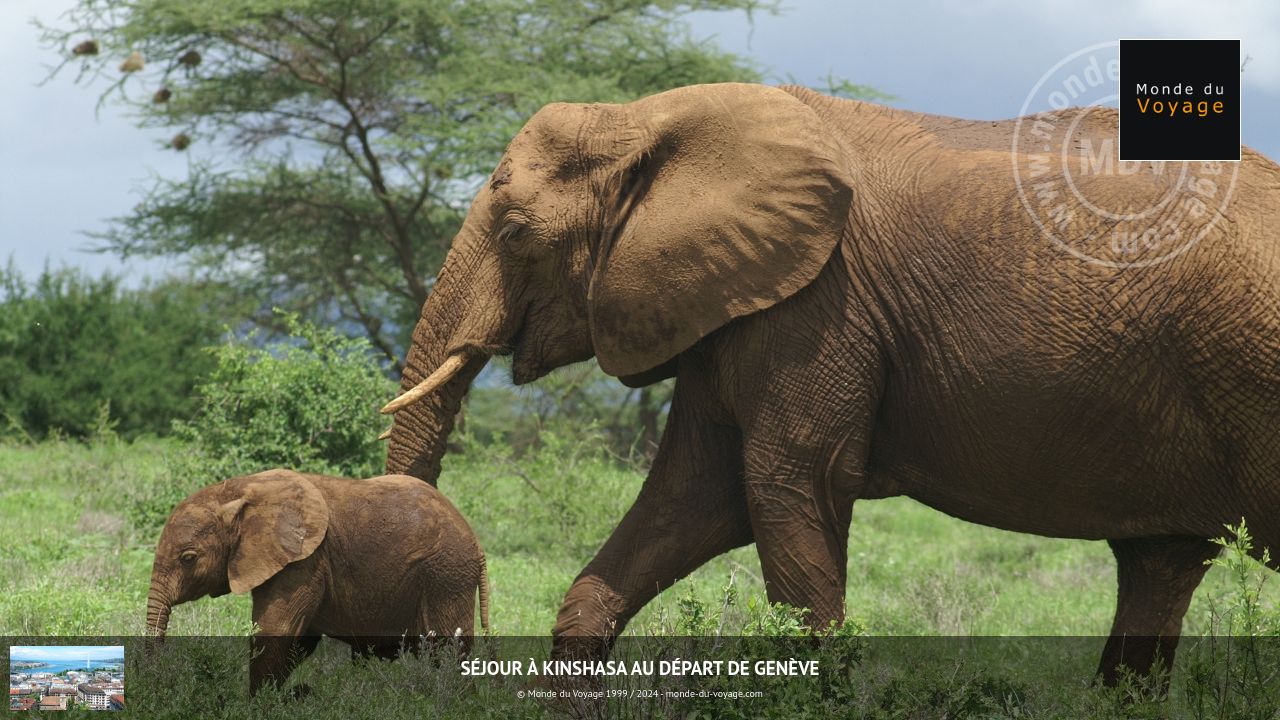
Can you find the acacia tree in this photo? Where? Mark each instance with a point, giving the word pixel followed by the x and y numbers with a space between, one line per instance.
pixel 336 142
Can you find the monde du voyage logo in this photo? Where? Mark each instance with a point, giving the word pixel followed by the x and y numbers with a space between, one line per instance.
pixel 1177 151
pixel 1180 100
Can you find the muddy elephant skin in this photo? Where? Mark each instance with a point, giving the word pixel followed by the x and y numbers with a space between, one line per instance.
pixel 855 304
pixel 375 563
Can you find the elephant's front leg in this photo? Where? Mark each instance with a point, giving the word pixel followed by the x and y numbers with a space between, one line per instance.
pixel 804 467
pixel 802 535
pixel 275 657
pixel 690 509
pixel 283 608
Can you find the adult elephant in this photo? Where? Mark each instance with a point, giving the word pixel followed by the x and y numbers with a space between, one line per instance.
pixel 855 304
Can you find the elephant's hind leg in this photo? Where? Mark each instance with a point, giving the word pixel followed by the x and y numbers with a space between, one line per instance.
pixel 450 614
pixel 1156 578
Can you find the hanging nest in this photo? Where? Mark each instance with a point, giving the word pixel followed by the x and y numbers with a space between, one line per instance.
pixel 181 141
pixel 162 96
pixel 133 63
pixel 190 58
pixel 88 47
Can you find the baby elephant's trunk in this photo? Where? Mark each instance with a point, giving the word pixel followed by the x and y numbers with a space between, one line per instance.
pixel 157 615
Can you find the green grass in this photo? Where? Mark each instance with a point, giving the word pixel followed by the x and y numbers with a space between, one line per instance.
pixel 72 560
pixel 77 531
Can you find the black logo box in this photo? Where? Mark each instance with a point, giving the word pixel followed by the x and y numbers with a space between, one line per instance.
pixel 1177 72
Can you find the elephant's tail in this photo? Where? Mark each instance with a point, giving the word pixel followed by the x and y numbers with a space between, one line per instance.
pixel 484 593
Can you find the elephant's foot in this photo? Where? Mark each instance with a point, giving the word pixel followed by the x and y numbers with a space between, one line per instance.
pixel 590 618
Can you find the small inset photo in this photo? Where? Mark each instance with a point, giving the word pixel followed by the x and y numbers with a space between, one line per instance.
pixel 60 677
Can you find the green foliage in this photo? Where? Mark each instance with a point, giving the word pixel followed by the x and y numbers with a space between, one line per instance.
pixel 1243 608
pixel 361 126
pixel 78 353
pixel 757 630
pixel 775 619
pixel 308 403
pixel 70 563
pixel 574 401
pixel 1233 670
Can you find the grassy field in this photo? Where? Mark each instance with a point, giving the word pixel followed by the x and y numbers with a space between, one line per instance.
pixel 78 525
pixel 73 561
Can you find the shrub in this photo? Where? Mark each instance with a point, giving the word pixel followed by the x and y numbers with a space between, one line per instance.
pixel 1232 669
pixel 71 345
pixel 309 403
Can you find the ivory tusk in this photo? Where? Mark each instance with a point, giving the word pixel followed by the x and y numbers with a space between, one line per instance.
pixel 447 370
pixel 386 433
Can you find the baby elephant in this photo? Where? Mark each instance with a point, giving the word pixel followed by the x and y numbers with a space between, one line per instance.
pixel 366 561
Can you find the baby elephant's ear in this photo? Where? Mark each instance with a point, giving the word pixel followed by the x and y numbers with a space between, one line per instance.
pixel 276 517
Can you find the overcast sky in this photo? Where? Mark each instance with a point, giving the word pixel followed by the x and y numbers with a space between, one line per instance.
pixel 63 172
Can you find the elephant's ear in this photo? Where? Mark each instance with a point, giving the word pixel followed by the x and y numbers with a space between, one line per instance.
pixel 276 517
pixel 734 200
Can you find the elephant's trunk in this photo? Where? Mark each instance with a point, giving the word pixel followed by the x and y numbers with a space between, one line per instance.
pixel 157 614
pixel 451 344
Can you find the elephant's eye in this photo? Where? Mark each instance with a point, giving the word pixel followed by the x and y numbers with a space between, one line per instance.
pixel 188 557
pixel 510 233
